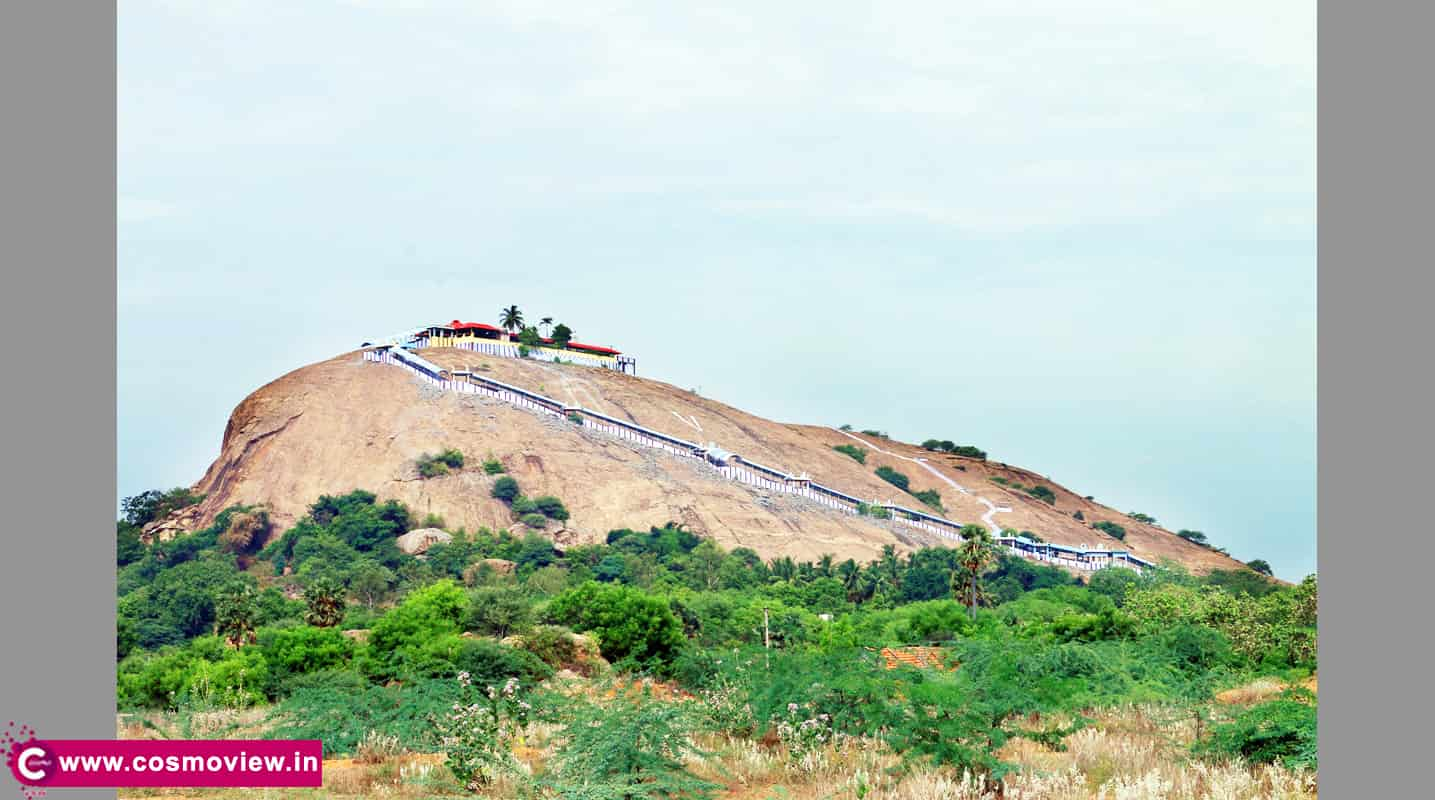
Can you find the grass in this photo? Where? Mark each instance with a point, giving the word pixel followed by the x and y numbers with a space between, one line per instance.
pixel 856 453
pixel 1131 752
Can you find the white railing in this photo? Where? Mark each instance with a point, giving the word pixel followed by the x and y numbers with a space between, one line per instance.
pixel 730 466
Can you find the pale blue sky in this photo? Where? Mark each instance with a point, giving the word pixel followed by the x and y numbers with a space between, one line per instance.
pixel 1082 238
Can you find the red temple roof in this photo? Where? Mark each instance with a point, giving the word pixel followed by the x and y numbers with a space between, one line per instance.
pixel 472 326
pixel 593 348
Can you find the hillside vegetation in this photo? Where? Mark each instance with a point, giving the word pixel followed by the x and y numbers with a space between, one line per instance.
pixel 654 662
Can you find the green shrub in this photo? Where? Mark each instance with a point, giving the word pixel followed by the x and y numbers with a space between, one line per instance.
pixel 1111 529
pixel 632 748
pixel 534 520
pixel 493 467
pixel 875 511
pixel 505 489
pixel 575 418
pixel 969 451
pixel 497 612
pixel 856 453
pixel 523 505
pixel 1281 731
pixel 551 507
pixel 1042 493
pixel 893 477
pixel 341 714
pixel 878 434
pixel 432 466
pixel 1139 517
pixel 629 623
pixel 489 663
pixel 552 644
pixel 930 497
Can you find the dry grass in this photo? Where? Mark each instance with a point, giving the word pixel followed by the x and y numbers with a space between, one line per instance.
pixel 1132 753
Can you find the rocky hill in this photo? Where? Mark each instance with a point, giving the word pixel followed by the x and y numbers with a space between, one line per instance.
pixel 343 424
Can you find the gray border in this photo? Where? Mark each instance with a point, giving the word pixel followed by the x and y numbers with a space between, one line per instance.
pixel 57 231
pixel 57 75
pixel 1374 395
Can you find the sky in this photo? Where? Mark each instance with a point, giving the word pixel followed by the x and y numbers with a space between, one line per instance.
pixel 1079 235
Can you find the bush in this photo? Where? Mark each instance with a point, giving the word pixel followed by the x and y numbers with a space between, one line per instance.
pixel 1111 529
pixel 432 466
pixel 877 512
pixel 523 505
pixel 551 507
pixel 969 451
pixel 489 663
pixel 629 623
pixel 505 489
pixel 930 497
pixel 878 434
pixel 1195 537
pixel 1281 731
pixel 493 467
pixel 552 644
pixel 575 418
pixel 497 612
pixel 1139 517
pixel 856 453
pixel 1043 493
pixel 893 477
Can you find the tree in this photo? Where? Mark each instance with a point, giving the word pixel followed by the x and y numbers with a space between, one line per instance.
pixel 372 583
pixel 1192 536
pixel 629 623
pixel 1260 565
pixel 324 599
pixel 529 337
pixel 545 323
pixel 497 612
pixel 562 335
pixel 974 555
pixel 236 610
pixel 505 489
pixel 633 749
pixel 510 319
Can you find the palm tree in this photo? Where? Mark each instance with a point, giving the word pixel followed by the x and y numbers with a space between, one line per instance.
pixel 236 614
pixel 544 323
pixel 511 319
pixel 824 565
pixel 975 555
pixel 325 601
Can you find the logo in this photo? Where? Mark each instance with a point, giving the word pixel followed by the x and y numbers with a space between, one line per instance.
pixel 31 761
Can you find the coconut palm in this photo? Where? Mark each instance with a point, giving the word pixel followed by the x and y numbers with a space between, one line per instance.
pixel 511 319
pixel 975 555
pixel 544 324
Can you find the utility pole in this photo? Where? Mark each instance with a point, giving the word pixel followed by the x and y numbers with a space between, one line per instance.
pixel 766 640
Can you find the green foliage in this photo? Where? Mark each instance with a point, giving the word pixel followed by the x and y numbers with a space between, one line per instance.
pixel 1193 536
pixel 490 663
pixel 632 748
pixel 551 507
pixel 146 507
pixel 876 433
pixel 1281 731
pixel 871 510
pixel 1260 565
pixel 529 337
pixel 562 335
pixel 537 521
pixel 505 489
pixel 1042 493
pixel 340 713
pixel 493 611
pixel 893 477
pixel 630 624
pixel 1110 528
pixel 930 497
pixel 433 465
pixel 420 635
pixel 480 730
pixel 493 466
pixel 856 453
pixel 1139 517
pixel 324 603
pixel 291 652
